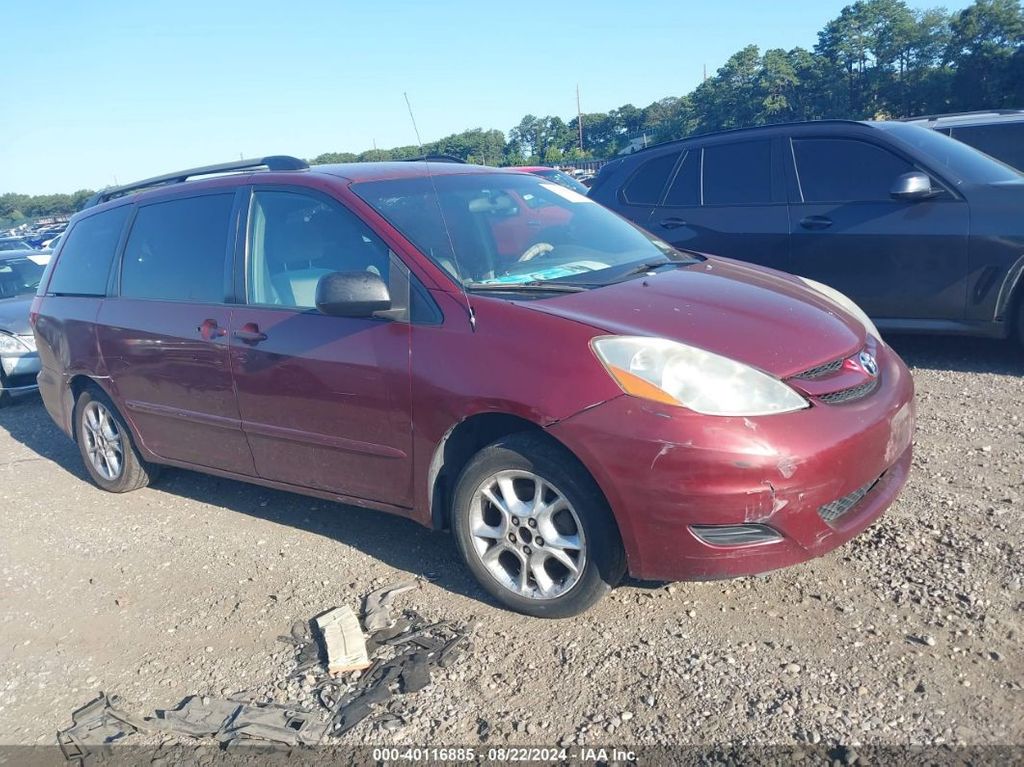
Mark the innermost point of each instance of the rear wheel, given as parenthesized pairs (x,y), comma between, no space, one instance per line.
(534,528)
(106,445)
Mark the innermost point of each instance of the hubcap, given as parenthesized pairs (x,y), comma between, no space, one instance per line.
(527,535)
(102,441)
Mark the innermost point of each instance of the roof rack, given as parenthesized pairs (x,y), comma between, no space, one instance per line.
(435,158)
(975,113)
(273,162)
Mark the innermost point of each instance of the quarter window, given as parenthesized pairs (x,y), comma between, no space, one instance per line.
(645,187)
(295,239)
(176,250)
(84,264)
(846,170)
(738,174)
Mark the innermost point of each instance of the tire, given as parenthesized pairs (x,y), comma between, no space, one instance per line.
(5,396)
(496,497)
(1019,321)
(106,445)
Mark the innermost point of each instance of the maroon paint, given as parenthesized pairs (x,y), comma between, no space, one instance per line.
(357,409)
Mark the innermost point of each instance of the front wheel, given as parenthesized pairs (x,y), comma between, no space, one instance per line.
(106,445)
(534,528)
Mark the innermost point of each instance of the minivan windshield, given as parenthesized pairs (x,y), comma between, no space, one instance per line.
(500,230)
(19,276)
(965,161)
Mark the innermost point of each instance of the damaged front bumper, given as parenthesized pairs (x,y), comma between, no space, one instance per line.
(699,497)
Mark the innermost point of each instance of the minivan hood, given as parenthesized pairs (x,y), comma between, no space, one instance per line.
(750,314)
(14,315)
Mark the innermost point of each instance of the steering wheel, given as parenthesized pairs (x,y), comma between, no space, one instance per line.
(534,251)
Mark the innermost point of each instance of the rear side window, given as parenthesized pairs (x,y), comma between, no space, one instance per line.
(846,170)
(84,265)
(644,187)
(1004,141)
(176,250)
(738,174)
(685,189)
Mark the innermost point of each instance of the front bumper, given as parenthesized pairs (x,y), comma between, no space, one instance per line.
(19,372)
(664,469)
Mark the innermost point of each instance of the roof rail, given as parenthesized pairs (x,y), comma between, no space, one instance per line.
(974,113)
(273,162)
(435,158)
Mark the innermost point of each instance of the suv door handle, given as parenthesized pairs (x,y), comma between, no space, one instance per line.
(816,222)
(210,330)
(673,222)
(250,334)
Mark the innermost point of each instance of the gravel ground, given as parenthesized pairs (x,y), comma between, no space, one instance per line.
(911,634)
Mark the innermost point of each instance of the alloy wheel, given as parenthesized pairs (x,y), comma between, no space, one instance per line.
(527,535)
(103,442)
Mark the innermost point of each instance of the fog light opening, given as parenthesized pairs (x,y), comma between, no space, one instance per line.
(735,535)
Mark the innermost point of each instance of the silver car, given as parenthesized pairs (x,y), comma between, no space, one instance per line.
(20,272)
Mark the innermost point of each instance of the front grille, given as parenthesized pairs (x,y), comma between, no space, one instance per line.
(830,512)
(822,370)
(851,394)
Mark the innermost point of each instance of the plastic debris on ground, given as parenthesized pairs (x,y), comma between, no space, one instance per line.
(354,674)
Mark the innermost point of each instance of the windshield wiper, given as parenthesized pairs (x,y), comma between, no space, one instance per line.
(533,285)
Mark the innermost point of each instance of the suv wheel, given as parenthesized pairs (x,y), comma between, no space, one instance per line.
(534,528)
(106,445)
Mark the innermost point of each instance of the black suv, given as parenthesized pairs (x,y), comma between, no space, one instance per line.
(924,232)
(999,134)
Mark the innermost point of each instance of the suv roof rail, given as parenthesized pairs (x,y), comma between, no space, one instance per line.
(435,158)
(974,113)
(272,162)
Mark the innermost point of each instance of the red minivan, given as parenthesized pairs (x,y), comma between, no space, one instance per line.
(588,403)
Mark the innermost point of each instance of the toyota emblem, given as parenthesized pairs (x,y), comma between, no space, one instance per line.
(867,361)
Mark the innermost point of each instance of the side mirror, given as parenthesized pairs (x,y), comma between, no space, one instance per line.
(912,186)
(352,294)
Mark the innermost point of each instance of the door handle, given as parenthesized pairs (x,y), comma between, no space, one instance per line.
(672,222)
(250,333)
(816,222)
(209,330)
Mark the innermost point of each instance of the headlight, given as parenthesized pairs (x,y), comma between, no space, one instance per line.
(14,344)
(845,303)
(676,374)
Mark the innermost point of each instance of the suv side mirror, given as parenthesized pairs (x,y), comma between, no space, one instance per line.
(352,294)
(912,186)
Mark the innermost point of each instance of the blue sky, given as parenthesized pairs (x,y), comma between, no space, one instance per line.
(104,90)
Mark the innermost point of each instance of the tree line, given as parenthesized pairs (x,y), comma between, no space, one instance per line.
(877,59)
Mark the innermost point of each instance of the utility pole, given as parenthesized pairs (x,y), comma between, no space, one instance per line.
(579,116)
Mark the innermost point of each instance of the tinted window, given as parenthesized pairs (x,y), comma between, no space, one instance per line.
(685,189)
(845,170)
(738,174)
(644,187)
(176,250)
(1004,141)
(296,239)
(84,265)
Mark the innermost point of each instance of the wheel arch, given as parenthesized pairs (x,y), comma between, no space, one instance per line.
(464,440)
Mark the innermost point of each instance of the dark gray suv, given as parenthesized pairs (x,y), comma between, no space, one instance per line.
(924,232)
